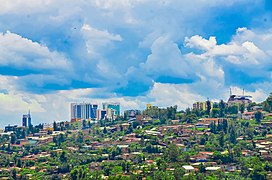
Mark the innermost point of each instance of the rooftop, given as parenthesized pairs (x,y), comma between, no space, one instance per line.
(188,167)
(212,168)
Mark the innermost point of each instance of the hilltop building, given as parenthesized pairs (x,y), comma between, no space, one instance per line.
(201,106)
(148,106)
(132,113)
(81,111)
(239,99)
(26,120)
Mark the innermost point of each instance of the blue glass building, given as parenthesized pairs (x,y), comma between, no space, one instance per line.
(82,111)
(26,120)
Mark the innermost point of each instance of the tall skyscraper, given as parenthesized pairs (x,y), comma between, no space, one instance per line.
(26,120)
(80,111)
(112,105)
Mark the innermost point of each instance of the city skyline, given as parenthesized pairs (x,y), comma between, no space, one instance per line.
(53,53)
(89,111)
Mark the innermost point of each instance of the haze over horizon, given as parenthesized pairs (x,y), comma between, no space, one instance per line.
(163,52)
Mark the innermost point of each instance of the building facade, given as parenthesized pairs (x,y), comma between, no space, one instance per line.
(132,113)
(114,106)
(81,111)
(239,99)
(100,114)
(201,106)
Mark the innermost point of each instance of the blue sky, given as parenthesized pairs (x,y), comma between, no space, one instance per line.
(135,52)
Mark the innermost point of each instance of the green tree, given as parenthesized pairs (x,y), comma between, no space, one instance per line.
(172,153)
(244,168)
(84,124)
(202,168)
(14,174)
(225,126)
(89,124)
(161,164)
(187,111)
(208,103)
(178,173)
(215,112)
(13,139)
(258,172)
(222,107)
(121,127)
(8,148)
(221,139)
(191,118)
(80,137)
(31,129)
(55,126)
(232,109)
(186,157)
(105,130)
(135,124)
(116,170)
(74,174)
(267,104)
(203,139)
(237,151)
(63,157)
(217,156)
(19,163)
(61,139)
(213,127)
(232,134)
(242,108)
(258,116)
(23,134)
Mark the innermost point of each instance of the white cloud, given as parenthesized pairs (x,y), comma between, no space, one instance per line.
(18,6)
(113,43)
(98,37)
(169,94)
(165,58)
(14,103)
(23,53)
(201,43)
(97,43)
(19,103)
(243,49)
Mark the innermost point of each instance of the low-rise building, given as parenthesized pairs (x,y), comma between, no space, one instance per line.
(188,168)
(248,115)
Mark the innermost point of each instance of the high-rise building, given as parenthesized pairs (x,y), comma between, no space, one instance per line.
(26,120)
(80,111)
(112,105)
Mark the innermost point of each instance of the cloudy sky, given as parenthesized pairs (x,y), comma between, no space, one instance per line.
(165,52)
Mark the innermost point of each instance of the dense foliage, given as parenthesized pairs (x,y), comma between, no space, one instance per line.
(152,149)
